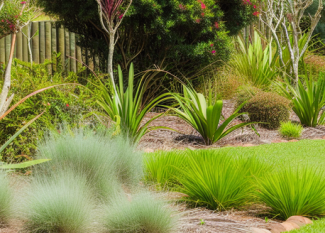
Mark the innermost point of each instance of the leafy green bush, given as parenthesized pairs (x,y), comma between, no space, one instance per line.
(143,213)
(103,160)
(175,35)
(268,108)
(164,168)
(67,103)
(5,198)
(294,191)
(205,116)
(290,130)
(60,203)
(219,181)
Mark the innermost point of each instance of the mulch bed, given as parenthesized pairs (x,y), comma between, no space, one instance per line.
(185,136)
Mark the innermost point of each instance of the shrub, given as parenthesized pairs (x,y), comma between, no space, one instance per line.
(143,213)
(217,180)
(169,33)
(290,130)
(268,108)
(66,104)
(164,168)
(205,116)
(94,154)
(60,203)
(294,191)
(245,93)
(5,198)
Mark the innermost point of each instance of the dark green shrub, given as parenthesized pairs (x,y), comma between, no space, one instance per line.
(171,34)
(268,108)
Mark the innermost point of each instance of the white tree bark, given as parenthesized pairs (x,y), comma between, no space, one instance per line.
(282,15)
(4,100)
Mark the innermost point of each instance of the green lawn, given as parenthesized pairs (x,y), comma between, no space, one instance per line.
(304,151)
(291,153)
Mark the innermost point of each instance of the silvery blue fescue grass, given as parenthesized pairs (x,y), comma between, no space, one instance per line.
(103,160)
(5,198)
(61,202)
(139,213)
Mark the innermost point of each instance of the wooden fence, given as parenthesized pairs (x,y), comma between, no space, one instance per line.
(49,38)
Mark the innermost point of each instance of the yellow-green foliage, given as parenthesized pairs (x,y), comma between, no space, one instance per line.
(290,130)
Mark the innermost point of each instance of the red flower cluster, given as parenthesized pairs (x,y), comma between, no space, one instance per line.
(245,2)
(256,13)
(23,2)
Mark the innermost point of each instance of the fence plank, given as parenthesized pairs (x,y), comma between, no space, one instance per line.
(8,44)
(61,41)
(73,52)
(35,42)
(67,49)
(25,44)
(19,46)
(42,39)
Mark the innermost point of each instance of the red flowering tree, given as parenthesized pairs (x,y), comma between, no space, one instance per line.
(111,14)
(14,15)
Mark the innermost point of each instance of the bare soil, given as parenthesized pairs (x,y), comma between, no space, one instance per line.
(185,136)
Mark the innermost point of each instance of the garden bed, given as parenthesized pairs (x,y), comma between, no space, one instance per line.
(185,136)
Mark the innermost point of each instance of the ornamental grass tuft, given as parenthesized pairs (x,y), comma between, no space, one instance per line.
(142,213)
(298,190)
(290,130)
(5,199)
(59,203)
(219,181)
(102,159)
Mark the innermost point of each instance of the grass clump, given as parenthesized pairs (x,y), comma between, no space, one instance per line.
(290,130)
(59,203)
(143,213)
(217,180)
(164,168)
(294,190)
(5,199)
(95,155)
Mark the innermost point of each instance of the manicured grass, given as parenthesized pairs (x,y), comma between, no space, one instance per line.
(217,178)
(318,226)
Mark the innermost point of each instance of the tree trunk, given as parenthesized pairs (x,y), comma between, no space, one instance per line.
(4,100)
(110,57)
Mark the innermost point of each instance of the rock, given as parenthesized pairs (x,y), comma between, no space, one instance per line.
(290,225)
(277,228)
(293,140)
(148,150)
(308,221)
(299,220)
(259,230)
(248,145)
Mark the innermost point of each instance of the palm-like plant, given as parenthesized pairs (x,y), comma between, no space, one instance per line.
(205,117)
(308,100)
(124,107)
